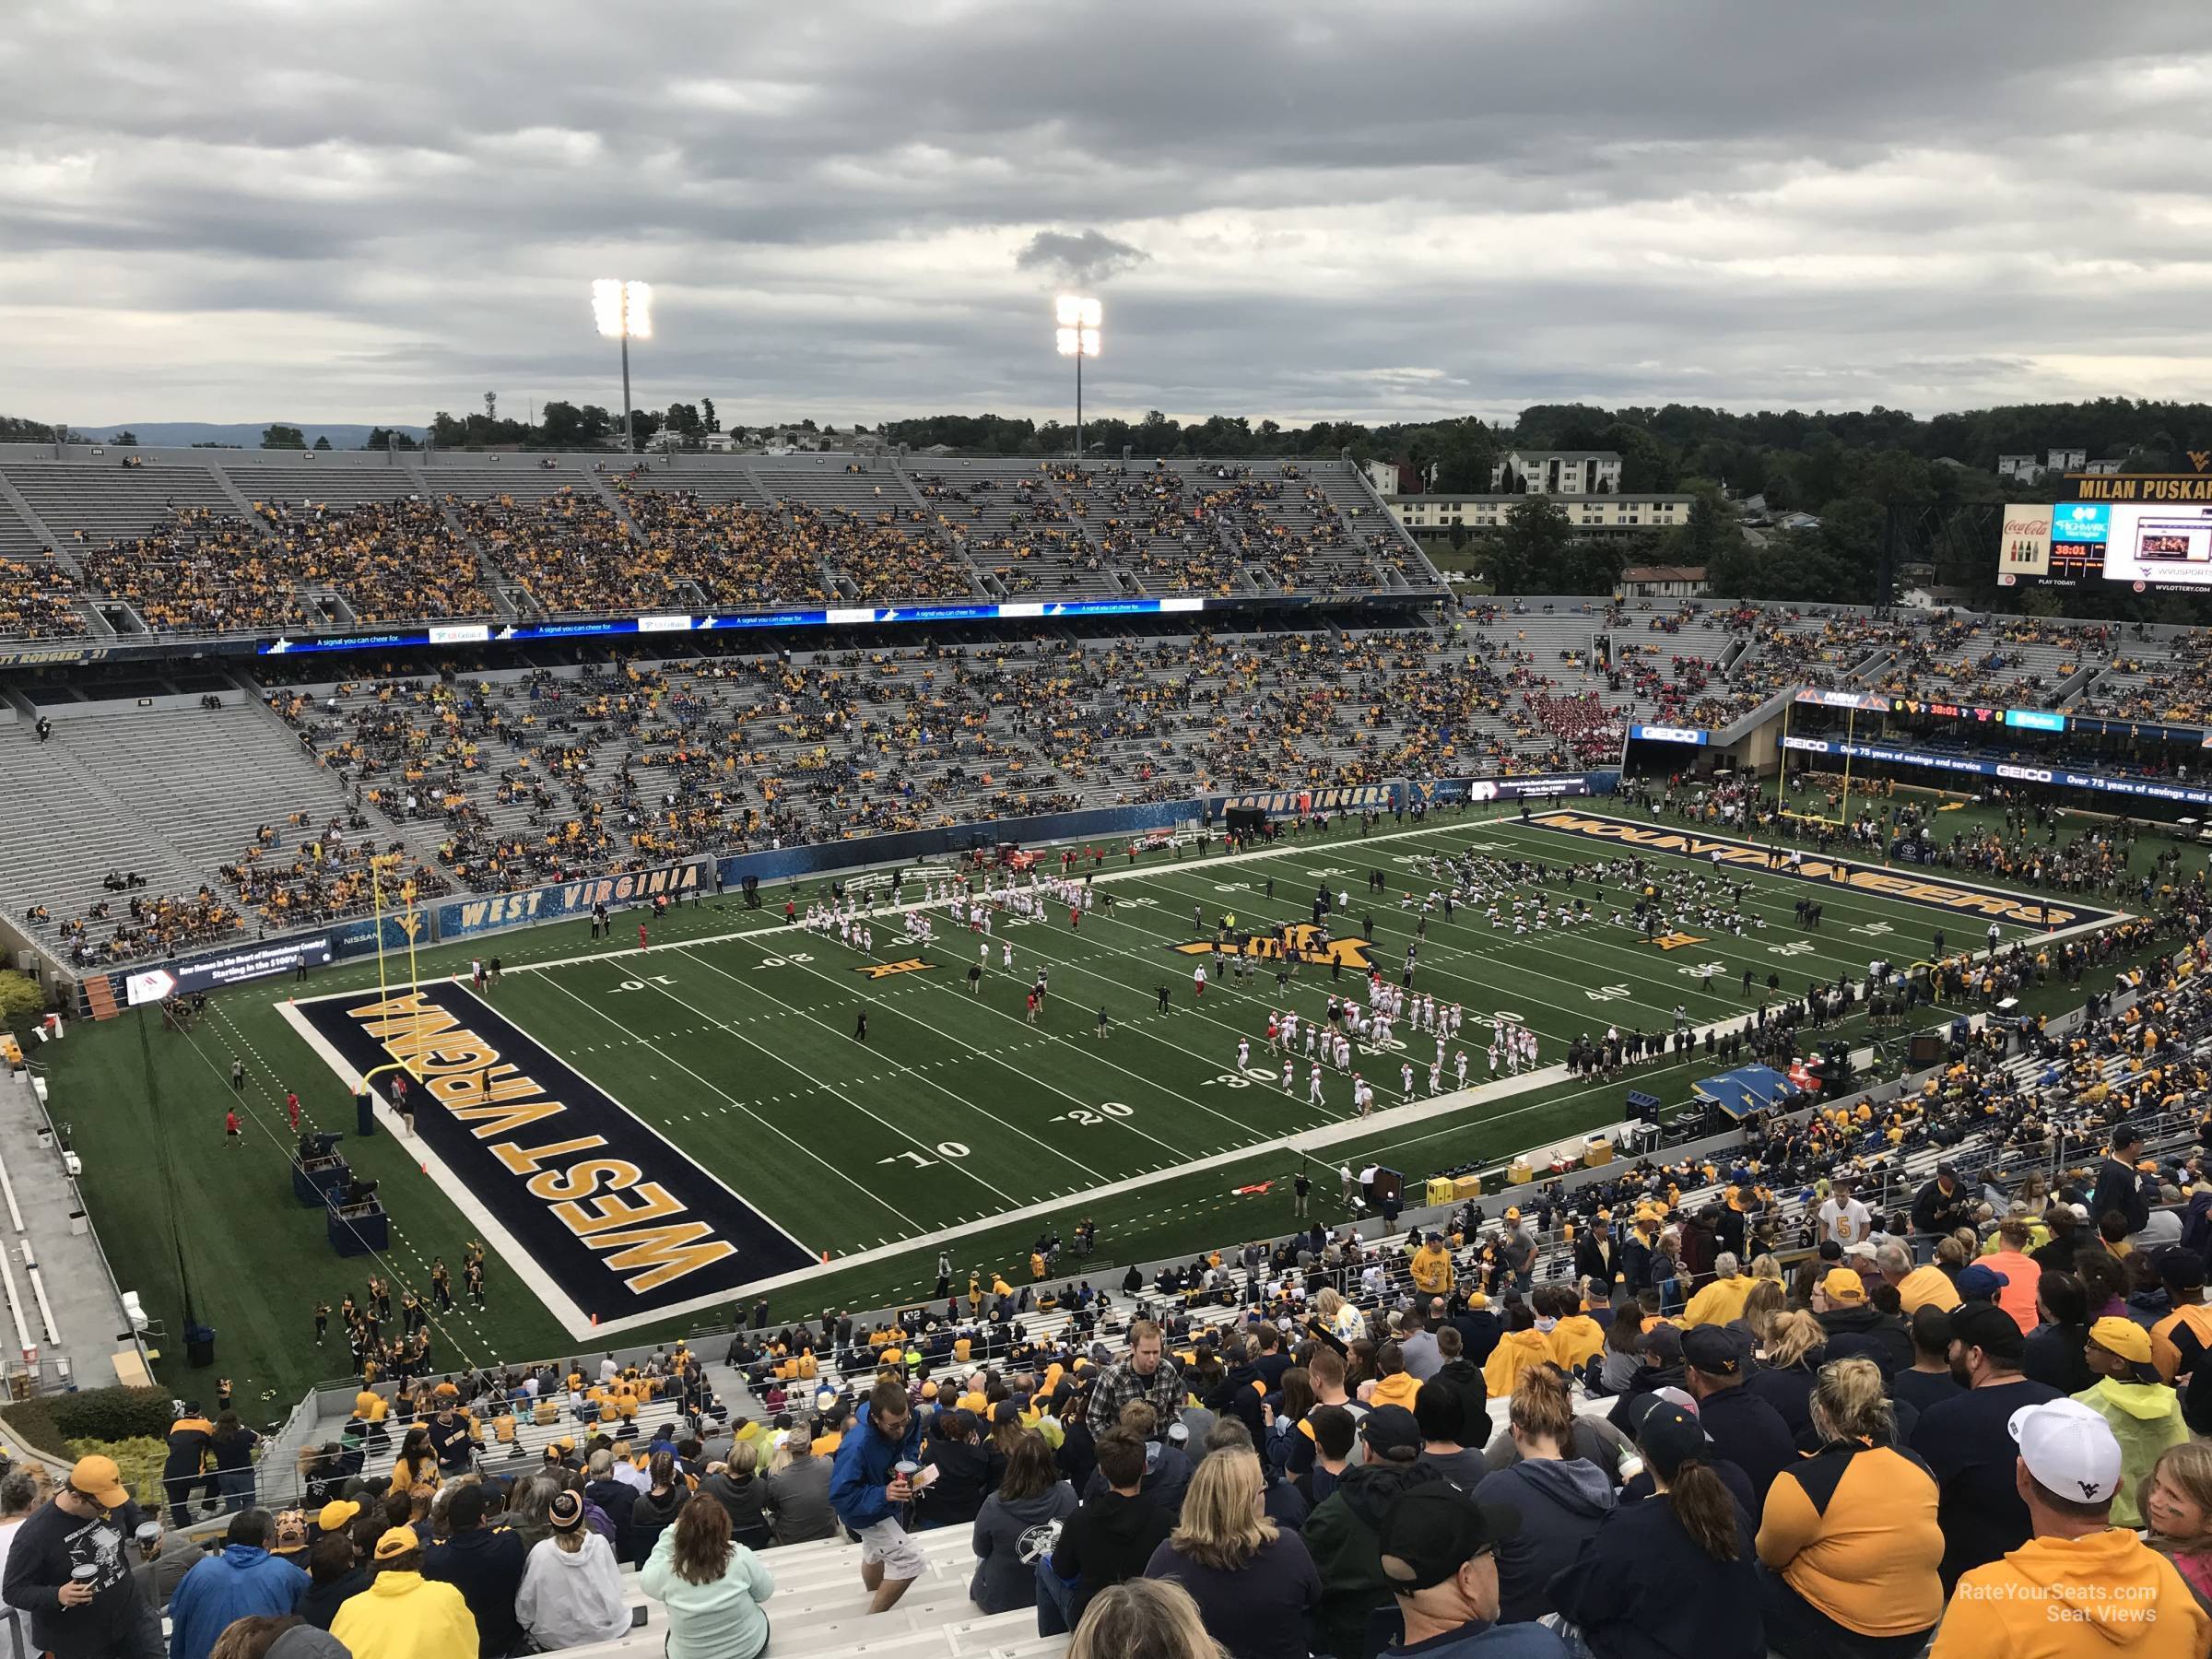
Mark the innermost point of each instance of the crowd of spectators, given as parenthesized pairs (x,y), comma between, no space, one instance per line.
(137,926)
(736,552)
(328,874)
(571,552)
(38,601)
(198,570)
(389,560)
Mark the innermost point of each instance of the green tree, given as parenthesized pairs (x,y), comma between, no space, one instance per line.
(21,999)
(1707,538)
(1157,435)
(283,438)
(322,440)
(386,437)
(1592,565)
(126,439)
(561,426)
(1531,548)
(707,415)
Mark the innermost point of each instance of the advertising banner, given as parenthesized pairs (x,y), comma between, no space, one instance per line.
(2026,549)
(1868,702)
(213,972)
(2147,789)
(459,917)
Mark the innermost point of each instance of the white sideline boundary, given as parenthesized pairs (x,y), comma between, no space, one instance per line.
(1299,1144)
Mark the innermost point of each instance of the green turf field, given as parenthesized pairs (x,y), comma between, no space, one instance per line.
(733,1037)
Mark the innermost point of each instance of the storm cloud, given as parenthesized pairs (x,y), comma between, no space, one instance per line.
(856,211)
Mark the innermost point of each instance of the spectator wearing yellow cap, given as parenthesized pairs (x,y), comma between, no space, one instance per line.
(1518,1246)
(1638,1251)
(1853,1326)
(86,1522)
(2145,1414)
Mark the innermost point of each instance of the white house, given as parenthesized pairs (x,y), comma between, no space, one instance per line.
(1558,472)
(2023,467)
(1383,476)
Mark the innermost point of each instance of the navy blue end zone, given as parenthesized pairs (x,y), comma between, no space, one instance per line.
(2051,912)
(597,1203)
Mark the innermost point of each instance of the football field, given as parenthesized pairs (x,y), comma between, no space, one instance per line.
(740,1054)
(642,1137)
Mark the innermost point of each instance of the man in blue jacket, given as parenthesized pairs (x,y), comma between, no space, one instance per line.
(870,1491)
(241,1581)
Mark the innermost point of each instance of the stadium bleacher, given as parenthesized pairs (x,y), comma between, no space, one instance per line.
(521,775)
(189,540)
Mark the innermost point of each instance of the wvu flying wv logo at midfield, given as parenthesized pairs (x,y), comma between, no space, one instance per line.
(876,970)
(1676,941)
(1306,944)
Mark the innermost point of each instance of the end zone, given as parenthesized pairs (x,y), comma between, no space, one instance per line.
(1953,898)
(593,1208)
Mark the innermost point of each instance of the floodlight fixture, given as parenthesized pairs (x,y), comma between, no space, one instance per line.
(623,312)
(1077,317)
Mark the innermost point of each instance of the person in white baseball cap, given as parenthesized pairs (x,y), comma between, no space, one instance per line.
(2079,1586)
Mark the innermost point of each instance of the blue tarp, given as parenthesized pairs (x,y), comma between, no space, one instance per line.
(1747,1088)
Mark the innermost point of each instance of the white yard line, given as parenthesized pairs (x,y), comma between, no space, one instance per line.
(732,1100)
(730,1026)
(981,1053)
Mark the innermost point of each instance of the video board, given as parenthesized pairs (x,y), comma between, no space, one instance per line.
(2150,532)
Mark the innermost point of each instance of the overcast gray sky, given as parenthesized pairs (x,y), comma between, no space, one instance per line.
(343,211)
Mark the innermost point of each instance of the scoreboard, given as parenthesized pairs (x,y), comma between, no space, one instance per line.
(2150,532)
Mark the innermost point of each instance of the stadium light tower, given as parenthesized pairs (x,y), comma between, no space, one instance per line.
(1077,337)
(624,312)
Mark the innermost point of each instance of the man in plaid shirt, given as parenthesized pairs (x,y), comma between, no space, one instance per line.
(1146,1374)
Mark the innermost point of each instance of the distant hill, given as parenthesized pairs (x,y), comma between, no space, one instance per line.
(180,434)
